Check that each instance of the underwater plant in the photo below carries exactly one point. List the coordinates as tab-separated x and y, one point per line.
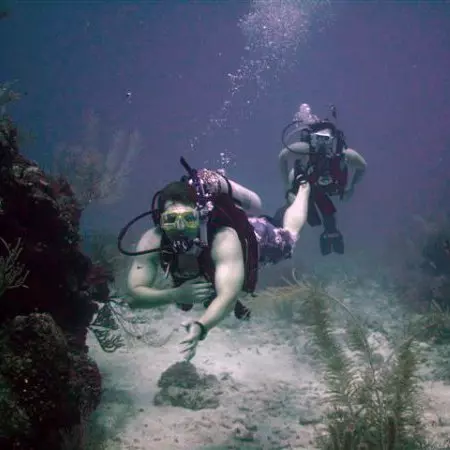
371	405
12	274
116	326
7	94
95	171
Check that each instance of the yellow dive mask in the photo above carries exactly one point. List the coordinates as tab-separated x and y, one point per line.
186	223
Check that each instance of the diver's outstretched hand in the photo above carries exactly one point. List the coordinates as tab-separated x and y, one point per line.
189	344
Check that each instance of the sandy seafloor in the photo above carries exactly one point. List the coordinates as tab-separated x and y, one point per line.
269	395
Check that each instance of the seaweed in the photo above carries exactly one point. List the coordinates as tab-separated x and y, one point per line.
12	274
370	406
116	326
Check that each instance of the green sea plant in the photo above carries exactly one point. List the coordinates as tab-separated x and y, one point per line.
370	405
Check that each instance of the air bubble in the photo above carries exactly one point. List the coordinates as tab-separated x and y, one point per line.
274	31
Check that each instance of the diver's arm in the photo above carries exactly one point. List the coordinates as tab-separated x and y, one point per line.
143	273
226	253
357	163
289	154
284	168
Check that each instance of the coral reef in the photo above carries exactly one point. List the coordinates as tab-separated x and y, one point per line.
7	95
48	287
12	274
48	387
181	385
44	214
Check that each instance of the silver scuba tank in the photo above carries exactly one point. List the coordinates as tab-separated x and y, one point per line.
217	183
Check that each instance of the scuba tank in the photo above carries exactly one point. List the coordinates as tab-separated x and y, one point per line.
305	115
300	126
208	184
217	183
310	146
304	125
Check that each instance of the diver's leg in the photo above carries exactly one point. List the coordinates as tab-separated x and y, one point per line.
277	219
331	239
329	223
296	214
313	219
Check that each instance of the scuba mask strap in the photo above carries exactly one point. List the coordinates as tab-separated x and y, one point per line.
203	202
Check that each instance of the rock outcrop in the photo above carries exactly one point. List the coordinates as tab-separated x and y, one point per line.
48	383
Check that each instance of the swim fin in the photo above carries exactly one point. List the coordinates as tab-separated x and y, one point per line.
331	242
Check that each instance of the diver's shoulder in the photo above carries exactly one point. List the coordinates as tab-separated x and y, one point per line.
150	240
225	232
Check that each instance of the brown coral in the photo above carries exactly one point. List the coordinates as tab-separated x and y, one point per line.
47	386
47	381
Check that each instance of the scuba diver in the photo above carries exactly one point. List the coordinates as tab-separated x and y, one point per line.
209	238
318	151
